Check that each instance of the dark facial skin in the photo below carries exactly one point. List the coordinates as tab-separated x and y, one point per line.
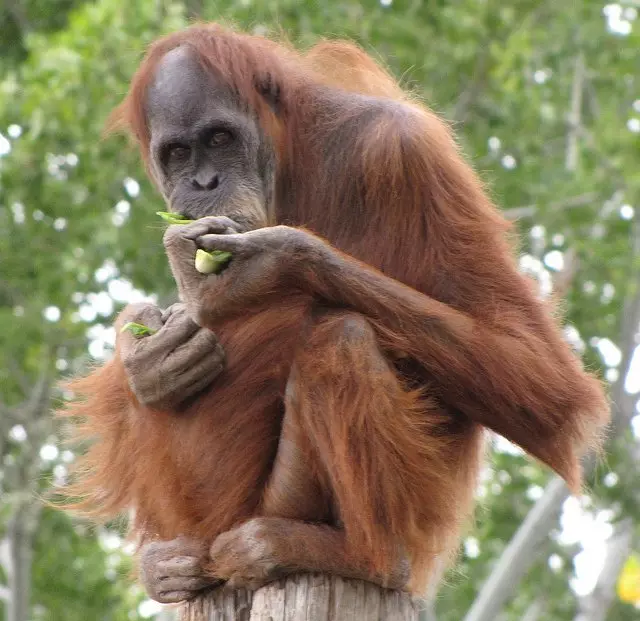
208	154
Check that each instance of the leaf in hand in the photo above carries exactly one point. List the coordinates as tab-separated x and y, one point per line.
211	262
137	329
173	218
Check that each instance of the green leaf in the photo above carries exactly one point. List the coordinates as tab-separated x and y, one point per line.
137	329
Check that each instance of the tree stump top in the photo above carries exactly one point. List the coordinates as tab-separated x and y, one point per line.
304	597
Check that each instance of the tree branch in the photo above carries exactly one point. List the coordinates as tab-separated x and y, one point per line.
563	280
20	376
520	554
528	211
19	15
194	8
575	114
474	87
20	533
535	610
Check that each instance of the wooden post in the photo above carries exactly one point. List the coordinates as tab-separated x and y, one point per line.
305	597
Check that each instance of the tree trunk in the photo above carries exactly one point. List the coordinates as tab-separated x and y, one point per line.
535	610
519	554
20	531
305	597
595	606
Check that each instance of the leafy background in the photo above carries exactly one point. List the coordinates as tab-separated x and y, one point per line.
545	98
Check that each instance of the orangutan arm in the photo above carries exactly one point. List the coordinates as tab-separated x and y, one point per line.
514	375
519	380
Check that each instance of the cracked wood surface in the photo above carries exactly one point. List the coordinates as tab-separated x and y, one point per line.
305	597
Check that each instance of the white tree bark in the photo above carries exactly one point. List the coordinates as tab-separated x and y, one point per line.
21	485
5	564
594	607
305	597
520	554
534	611
575	114
20	533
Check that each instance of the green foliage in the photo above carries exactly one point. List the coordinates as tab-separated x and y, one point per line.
20	18
75	578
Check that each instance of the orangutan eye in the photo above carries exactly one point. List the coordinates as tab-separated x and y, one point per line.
176	153
220	137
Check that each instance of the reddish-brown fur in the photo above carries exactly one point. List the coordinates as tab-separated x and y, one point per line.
394	445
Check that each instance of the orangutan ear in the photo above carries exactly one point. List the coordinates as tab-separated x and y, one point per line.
269	89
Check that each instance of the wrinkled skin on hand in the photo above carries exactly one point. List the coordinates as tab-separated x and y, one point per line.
178	570
180	247
264	549
167	368
261	260
172	571
247	556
